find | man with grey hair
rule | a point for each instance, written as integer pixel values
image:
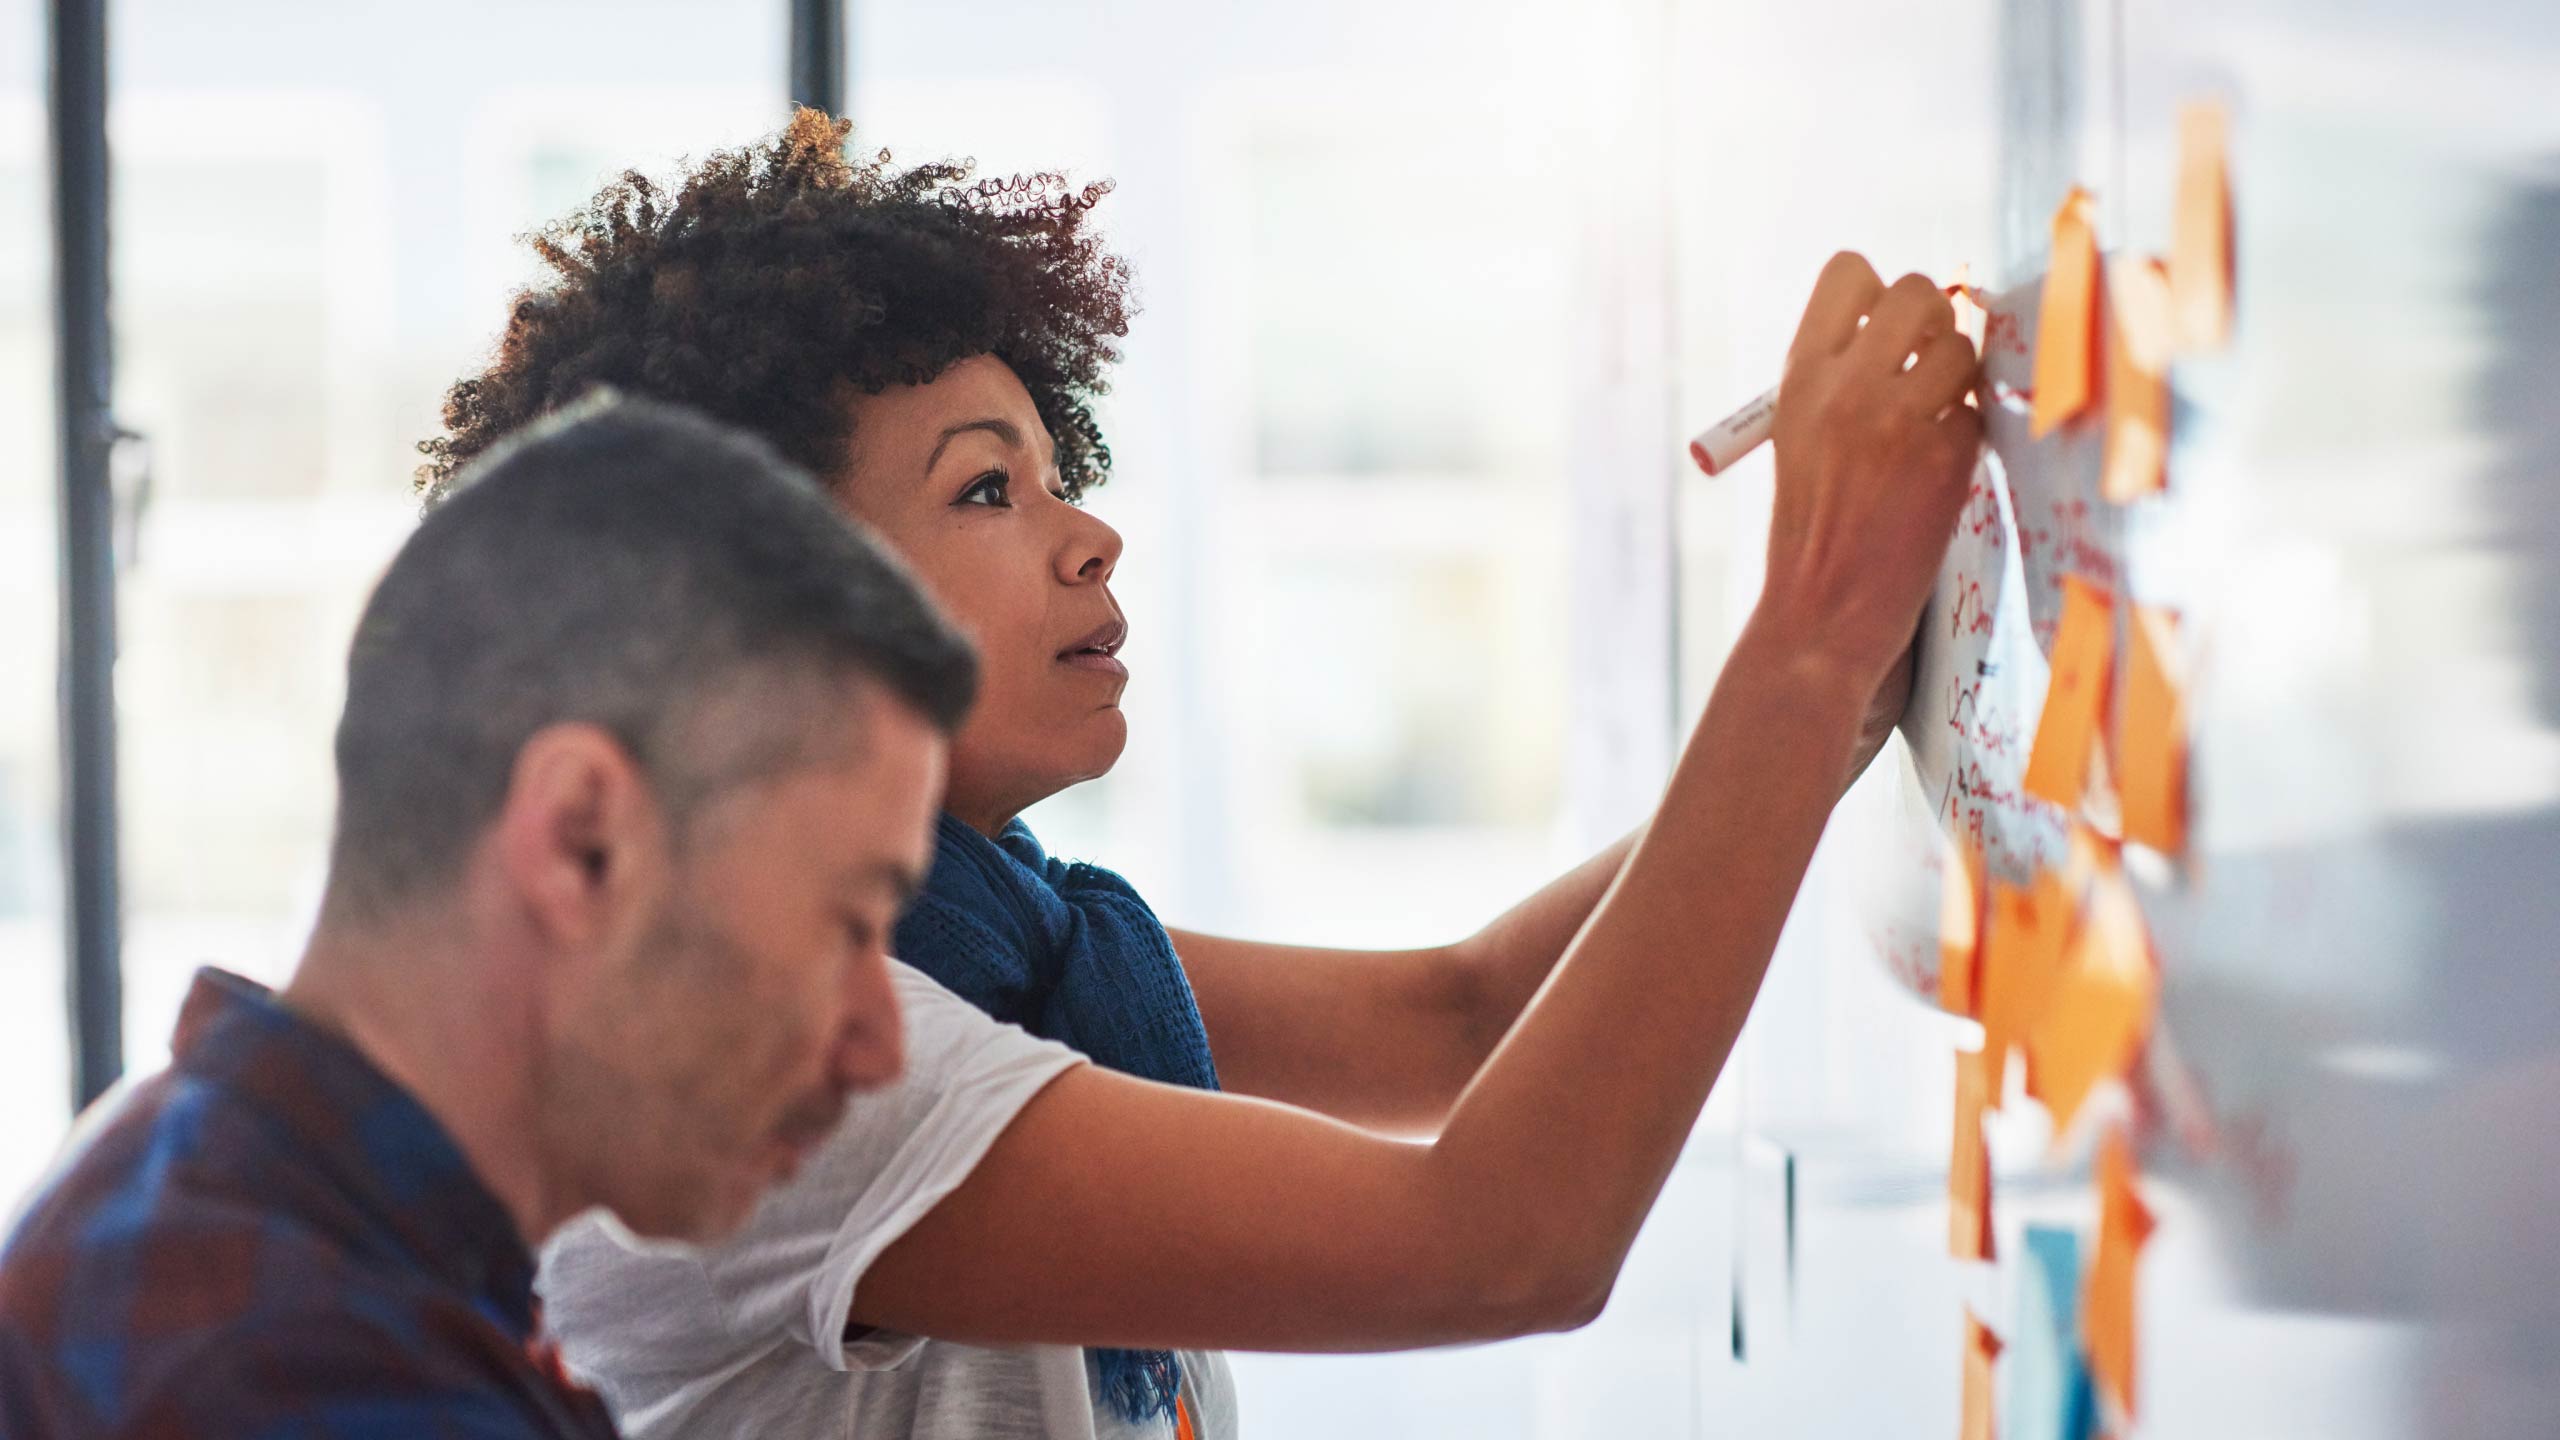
(639, 762)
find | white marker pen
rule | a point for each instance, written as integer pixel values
(1736, 435)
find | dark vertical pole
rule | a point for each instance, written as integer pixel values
(818, 54)
(84, 366)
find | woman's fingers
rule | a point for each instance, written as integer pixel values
(1945, 370)
(1847, 291)
(1909, 315)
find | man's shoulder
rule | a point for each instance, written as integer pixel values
(163, 1280)
(130, 1177)
(346, 1364)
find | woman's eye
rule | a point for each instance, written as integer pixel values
(987, 489)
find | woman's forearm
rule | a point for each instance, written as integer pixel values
(1505, 962)
(1615, 1057)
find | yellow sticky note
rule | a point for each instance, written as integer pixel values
(1960, 930)
(2101, 1006)
(2022, 943)
(2200, 254)
(2083, 648)
(2151, 734)
(2138, 345)
(2066, 314)
(1969, 1162)
(2107, 1307)
(1981, 1348)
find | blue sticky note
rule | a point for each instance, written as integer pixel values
(2050, 1395)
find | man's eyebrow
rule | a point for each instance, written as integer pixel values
(1004, 430)
(863, 880)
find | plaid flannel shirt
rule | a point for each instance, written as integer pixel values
(271, 1238)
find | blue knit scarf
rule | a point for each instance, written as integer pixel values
(1071, 953)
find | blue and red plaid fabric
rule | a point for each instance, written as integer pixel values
(271, 1238)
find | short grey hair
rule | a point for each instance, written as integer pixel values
(632, 566)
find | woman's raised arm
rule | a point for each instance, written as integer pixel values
(1115, 1212)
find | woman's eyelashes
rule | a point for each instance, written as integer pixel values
(995, 490)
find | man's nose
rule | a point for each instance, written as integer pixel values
(871, 1047)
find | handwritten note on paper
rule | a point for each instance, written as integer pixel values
(2083, 655)
(2035, 517)
(1981, 1350)
(2102, 1003)
(2108, 1313)
(2062, 523)
(1969, 1161)
(2151, 734)
(2200, 254)
(2139, 339)
(2065, 365)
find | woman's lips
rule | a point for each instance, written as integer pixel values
(1099, 649)
(1095, 660)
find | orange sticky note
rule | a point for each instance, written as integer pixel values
(2151, 734)
(2107, 1308)
(1959, 930)
(1969, 1162)
(2066, 312)
(2083, 647)
(1981, 1348)
(2200, 254)
(2021, 950)
(2102, 1002)
(2138, 345)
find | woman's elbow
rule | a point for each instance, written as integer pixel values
(1578, 1300)
(1533, 1292)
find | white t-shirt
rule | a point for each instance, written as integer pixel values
(747, 1338)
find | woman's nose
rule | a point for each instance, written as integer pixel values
(1092, 551)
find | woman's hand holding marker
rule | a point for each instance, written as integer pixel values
(1876, 448)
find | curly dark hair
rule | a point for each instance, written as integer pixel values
(771, 277)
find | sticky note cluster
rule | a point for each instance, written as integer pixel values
(2118, 677)
(2060, 970)
(2064, 976)
(2107, 330)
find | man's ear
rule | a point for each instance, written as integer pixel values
(581, 837)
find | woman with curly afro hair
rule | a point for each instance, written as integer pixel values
(929, 347)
